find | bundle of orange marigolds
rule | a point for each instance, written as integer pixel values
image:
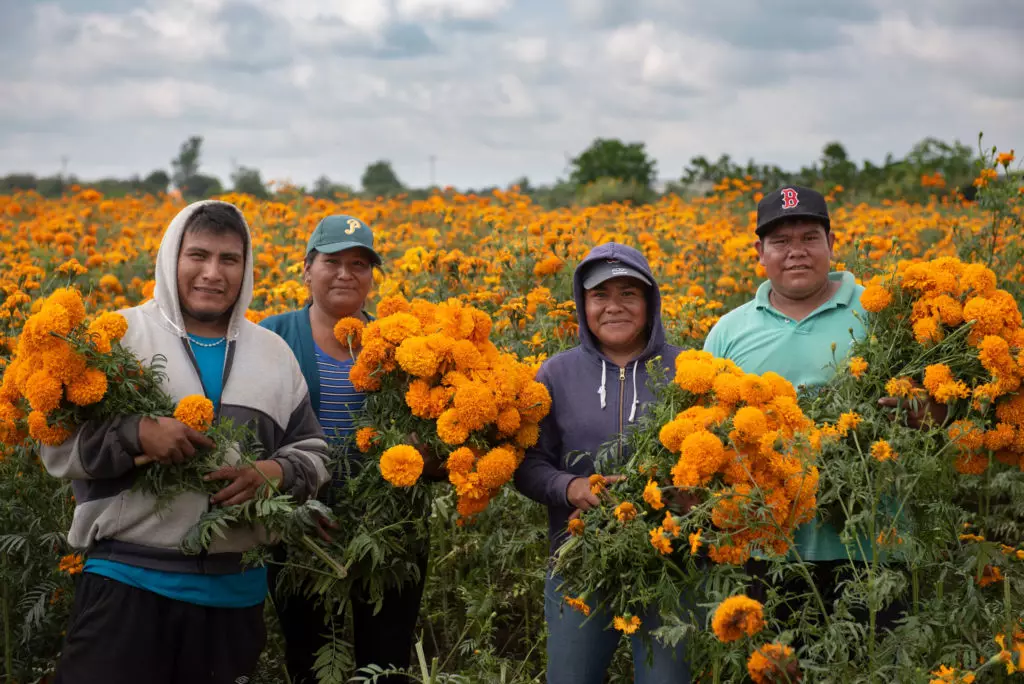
(68, 370)
(439, 385)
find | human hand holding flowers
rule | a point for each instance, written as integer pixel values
(246, 481)
(168, 441)
(583, 495)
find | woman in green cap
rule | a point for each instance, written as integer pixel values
(338, 271)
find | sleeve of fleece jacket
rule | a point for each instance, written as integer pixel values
(97, 450)
(302, 451)
(538, 476)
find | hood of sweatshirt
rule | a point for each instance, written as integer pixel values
(165, 292)
(595, 402)
(628, 256)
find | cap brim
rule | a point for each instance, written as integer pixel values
(760, 231)
(592, 281)
(335, 247)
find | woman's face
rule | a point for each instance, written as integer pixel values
(340, 282)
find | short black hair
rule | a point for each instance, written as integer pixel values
(219, 219)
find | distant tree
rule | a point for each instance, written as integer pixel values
(247, 180)
(523, 184)
(836, 167)
(201, 186)
(325, 188)
(18, 181)
(185, 167)
(54, 186)
(156, 182)
(702, 171)
(380, 179)
(611, 158)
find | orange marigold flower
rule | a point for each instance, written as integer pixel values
(773, 663)
(71, 564)
(527, 435)
(349, 331)
(990, 575)
(576, 527)
(50, 435)
(935, 375)
(363, 379)
(661, 541)
(927, 331)
(534, 402)
(652, 495)
(195, 411)
(72, 267)
(626, 625)
(88, 388)
(970, 463)
(848, 421)
(670, 525)
(450, 430)
(401, 465)
(577, 604)
(396, 328)
(496, 467)
(69, 299)
(882, 451)
(550, 265)
(948, 675)
(475, 405)
(508, 421)
(750, 423)
(43, 391)
(857, 366)
(736, 616)
(694, 540)
(695, 375)
(415, 357)
(902, 388)
(979, 279)
(461, 461)
(365, 437)
(875, 298)
(112, 325)
(625, 512)
(391, 305)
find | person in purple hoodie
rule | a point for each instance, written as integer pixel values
(598, 390)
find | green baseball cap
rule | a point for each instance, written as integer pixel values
(340, 232)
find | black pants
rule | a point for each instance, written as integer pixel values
(120, 634)
(828, 577)
(384, 639)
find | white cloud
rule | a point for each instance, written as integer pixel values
(496, 89)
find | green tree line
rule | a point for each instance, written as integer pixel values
(607, 170)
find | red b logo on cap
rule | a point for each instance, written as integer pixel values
(789, 198)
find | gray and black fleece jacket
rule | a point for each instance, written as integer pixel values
(263, 387)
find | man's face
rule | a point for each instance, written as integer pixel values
(797, 257)
(211, 267)
(339, 283)
(617, 312)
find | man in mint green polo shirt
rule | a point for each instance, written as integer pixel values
(790, 327)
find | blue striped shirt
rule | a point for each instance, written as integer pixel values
(340, 402)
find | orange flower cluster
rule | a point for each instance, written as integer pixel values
(48, 374)
(945, 294)
(195, 411)
(482, 402)
(737, 616)
(773, 663)
(744, 437)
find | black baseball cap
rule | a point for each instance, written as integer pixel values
(789, 202)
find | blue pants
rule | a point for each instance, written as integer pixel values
(581, 653)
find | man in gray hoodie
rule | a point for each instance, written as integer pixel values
(598, 390)
(145, 612)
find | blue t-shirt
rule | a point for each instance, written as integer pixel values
(241, 590)
(340, 402)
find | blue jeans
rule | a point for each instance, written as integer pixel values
(580, 650)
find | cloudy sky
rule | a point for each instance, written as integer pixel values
(496, 89)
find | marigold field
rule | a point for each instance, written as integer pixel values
(482, 614)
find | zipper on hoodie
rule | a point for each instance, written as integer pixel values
(622, 399)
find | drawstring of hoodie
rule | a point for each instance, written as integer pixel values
(602, 391)
(632, 409)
